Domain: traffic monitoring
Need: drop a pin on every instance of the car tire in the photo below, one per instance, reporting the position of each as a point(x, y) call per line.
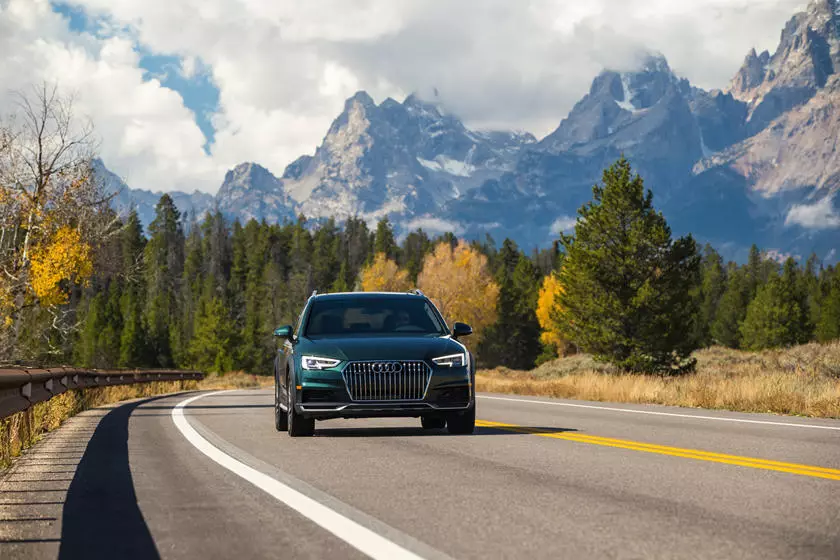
point(432, 422)
point(281, 419)
point(298, 425)
point(461, 424)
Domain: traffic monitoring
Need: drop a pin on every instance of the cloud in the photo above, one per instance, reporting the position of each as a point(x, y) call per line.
point(283, 69)
point(146, 133)
point(820, 215)
point(433, 225)
point(563, 224)
point(780, 256)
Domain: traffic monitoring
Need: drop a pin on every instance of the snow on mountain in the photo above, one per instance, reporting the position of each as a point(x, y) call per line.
point(401, 159)
point(755, 163)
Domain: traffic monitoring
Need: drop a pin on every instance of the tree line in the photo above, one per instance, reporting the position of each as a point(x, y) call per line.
point(83, 285)
point(207, 294)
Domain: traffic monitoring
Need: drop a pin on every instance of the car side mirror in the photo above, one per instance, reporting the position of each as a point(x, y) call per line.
point(283, 332)
point(461, 329)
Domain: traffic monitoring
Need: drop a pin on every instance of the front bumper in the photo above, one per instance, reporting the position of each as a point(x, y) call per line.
point(324, 394)
point(323, 411)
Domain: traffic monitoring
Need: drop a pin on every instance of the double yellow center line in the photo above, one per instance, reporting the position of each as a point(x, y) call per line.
point(793, 468)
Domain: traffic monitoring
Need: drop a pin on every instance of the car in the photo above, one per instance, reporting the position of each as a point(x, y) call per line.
point(367, 355)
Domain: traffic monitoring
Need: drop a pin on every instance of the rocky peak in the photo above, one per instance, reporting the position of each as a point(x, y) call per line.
point(751, 74)
point(616, 100)
point(252, 191)
point(249, 176)
point(430, 109)
point(807, 55)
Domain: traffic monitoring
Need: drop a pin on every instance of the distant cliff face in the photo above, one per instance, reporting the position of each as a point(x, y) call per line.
point(755, 163)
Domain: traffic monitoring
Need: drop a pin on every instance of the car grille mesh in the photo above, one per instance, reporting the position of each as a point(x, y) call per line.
point(387, 381)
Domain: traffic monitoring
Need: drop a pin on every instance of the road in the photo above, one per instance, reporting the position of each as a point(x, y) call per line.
point(541, 478)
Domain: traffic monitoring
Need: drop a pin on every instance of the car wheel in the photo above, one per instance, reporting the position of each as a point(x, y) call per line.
point(298, 425)
point(281, 420)
point(462, 423)
point(432, 422)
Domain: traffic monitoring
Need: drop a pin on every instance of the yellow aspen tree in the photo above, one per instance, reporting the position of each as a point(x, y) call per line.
point(63, 257)
point(383, 275)
point(460, 284)
point(546, 313)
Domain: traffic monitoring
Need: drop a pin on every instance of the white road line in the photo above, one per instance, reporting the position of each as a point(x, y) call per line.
point(354, 534)
point(654, 413)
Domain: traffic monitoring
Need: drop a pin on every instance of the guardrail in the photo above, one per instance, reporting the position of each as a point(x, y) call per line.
point(20, 388)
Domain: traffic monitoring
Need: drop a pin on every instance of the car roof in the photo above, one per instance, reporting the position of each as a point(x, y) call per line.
point(366, 295)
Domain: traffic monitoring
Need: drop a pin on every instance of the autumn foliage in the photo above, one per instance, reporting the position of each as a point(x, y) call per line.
point(546, 314)
point(459, 282)
point(383, 275)
point(52, 215)
point(63, 257)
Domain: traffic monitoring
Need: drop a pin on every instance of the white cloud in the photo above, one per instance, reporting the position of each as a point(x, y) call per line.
point(820, 215)
point(779, 256)
point(433, 225)
point(285, 68)
point(563, 224)
point(147, 135)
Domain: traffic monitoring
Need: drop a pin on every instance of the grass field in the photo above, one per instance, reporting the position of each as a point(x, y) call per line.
point(803, 380)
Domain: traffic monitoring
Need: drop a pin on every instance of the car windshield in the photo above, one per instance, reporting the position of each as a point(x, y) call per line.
point(375, 316)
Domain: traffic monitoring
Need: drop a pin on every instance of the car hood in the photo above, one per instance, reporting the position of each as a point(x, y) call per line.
point(379, 348)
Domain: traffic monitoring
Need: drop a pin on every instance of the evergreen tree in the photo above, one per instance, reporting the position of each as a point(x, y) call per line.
point(384, 241)
point(828, 328)
point(710, 292)
point(813, 288)
point(326, 245)
point(513, 340)
point(732, 310)
point(627, 285)
point(86, 344)
point(164, 257)
point(133, 345)
point(778, 316)
point(356, 242)
point(99, 343)
point(342, 283)
point(211, 346)
point(414, 250)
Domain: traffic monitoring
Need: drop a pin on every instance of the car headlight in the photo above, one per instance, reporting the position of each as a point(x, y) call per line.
point(316, 363)
point(452, 360)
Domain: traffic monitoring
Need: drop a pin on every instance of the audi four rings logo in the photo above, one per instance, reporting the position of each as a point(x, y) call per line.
point(387, 367)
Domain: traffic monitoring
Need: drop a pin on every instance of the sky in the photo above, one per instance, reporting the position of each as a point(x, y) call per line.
point(180, 91)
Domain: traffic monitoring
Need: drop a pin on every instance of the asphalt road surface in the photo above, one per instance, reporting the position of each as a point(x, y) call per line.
point(205, 475)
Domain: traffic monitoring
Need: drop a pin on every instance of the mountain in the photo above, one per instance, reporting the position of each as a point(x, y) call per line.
point(756, 162)
point(403, 160)
point(788, 163)
point(651, 116)
point(250, 191)
point(144, 201)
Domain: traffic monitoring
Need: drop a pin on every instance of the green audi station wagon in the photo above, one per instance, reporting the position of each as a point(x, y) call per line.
point(364, 355)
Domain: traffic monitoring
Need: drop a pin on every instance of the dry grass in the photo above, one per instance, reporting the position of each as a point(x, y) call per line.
point(804, 381)
point(235, 380)
point(22, 430)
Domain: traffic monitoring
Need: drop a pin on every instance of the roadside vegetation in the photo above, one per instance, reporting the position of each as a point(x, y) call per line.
point(235, 380)
point(802, 380)
point(22, 430)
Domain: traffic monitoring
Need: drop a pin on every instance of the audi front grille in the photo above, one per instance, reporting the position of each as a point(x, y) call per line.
point(387, 380)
